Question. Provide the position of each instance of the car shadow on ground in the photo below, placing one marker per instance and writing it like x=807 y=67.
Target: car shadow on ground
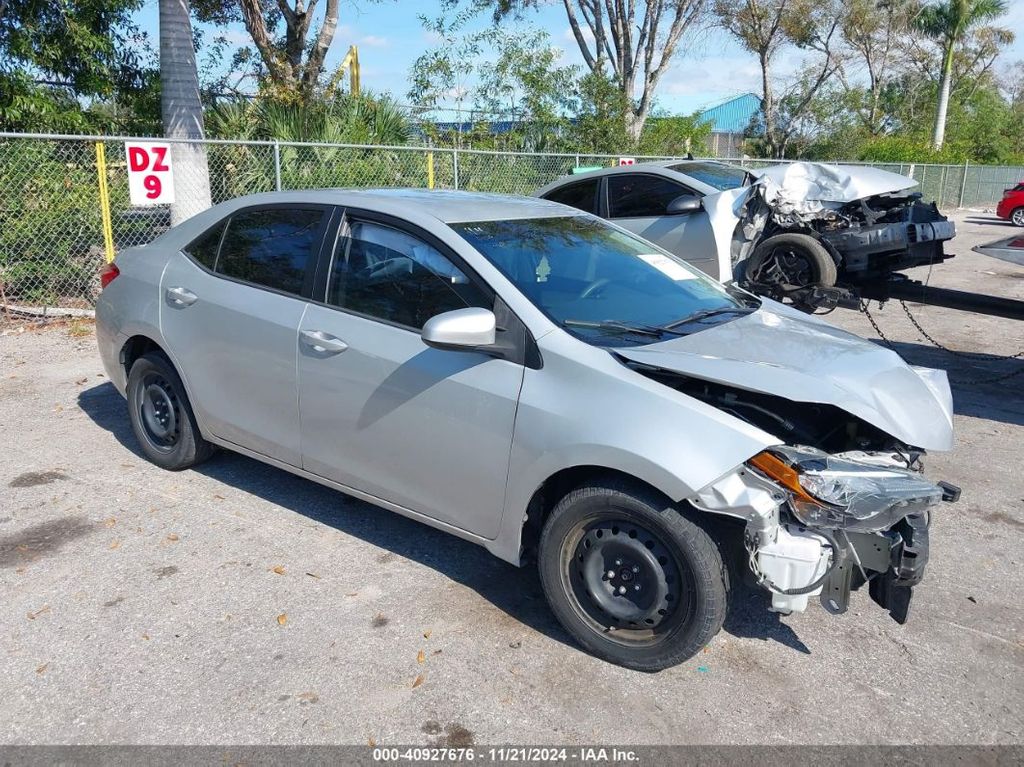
x=516 y=591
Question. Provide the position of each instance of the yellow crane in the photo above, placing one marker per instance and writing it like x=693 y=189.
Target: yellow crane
x=351 y=63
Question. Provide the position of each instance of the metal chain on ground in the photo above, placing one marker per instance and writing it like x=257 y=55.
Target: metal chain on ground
x=967 y=355
x=954 y=352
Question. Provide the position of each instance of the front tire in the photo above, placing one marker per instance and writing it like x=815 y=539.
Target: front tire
x=791 y=260
x=630 y=578
x=161 y=415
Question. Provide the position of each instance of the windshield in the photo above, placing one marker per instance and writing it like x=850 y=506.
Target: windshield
x=715 y=174
x=600 y=283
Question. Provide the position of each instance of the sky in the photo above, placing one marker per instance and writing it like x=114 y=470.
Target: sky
x=711 y=68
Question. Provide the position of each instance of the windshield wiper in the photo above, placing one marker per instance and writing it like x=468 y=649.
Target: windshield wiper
x=614 y=326
x=704 y=314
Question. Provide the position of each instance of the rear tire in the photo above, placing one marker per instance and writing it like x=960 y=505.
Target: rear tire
x=161 y=415
x=630 y=578
x=791 y=260
x=1017 y=217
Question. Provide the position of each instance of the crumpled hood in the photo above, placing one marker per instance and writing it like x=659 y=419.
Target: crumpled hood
x=821 y=182
x=779 y=351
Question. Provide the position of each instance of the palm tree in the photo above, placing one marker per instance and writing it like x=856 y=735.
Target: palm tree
x=182 y=110
x=947 y=22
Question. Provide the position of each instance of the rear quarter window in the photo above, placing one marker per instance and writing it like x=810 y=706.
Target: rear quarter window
x=204 y=248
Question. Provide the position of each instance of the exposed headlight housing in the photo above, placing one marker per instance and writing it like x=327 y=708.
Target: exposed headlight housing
x=831 y=492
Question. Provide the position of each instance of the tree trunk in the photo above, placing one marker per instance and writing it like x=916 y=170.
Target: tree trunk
x=634 y=124
x=182 y=110
x=940 y=113
x=768 y=106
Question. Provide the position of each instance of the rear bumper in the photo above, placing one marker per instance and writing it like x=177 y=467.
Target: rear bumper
x=1004 y=208
x=110 y=344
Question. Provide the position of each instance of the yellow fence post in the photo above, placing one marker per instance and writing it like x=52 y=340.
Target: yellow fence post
x=108 y=229
x=430 y=170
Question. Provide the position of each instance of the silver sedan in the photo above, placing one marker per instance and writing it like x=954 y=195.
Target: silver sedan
x=545 y=384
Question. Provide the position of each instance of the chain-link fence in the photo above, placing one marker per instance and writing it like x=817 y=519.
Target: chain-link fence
x=51 y=223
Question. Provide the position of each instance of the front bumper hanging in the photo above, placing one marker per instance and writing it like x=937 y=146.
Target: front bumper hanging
x=892 y=563
x=893 y=589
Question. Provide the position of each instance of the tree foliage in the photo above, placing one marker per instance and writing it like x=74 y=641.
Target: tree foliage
x=767 y=28
x=346 y=119
x=636 y=41
x=947 y=23
x=290 y=52
x=494 y=74
x=52 y=54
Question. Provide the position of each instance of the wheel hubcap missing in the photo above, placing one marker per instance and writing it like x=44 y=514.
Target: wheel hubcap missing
x=623 y=577
x=159 y=411
x=785 y=267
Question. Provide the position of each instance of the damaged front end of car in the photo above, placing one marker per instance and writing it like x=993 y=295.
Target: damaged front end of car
x=841 y=227
x=840 y=503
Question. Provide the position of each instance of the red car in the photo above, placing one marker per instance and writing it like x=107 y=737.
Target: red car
x=1012 y=205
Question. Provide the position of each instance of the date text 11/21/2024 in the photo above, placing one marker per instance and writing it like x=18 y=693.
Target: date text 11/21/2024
x=501 y=754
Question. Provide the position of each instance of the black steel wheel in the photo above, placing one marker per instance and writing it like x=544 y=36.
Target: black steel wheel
x=624 y=580
x=787 y=262
x=630 y=576
x=161 y=415
x=159 y=411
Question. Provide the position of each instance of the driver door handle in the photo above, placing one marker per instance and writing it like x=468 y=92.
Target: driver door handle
x=322 y=342
x=181 y=296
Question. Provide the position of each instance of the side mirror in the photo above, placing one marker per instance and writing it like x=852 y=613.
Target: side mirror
x=684 y=203
x=460 y=329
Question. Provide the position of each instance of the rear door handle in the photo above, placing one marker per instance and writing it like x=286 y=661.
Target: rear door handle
x=321 y=342
x=181 y=296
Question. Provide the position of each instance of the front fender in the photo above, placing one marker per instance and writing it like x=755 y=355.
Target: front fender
x=585 y=408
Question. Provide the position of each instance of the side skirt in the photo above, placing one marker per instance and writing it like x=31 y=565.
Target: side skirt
x=489 y=544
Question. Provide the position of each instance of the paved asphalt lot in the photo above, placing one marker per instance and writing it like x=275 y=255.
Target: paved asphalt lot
x=239 y=604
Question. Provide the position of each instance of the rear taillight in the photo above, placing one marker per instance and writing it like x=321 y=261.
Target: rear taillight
x=108 y=273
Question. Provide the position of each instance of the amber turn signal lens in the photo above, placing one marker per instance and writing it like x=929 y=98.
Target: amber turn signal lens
x=782 y=473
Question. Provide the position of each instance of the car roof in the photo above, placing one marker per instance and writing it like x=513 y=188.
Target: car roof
x=445 y=205
x=659 y=167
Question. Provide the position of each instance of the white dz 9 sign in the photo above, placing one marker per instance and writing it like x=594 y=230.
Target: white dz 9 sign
x=150 y=175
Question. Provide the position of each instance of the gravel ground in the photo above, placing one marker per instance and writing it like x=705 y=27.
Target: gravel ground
x=239 y=604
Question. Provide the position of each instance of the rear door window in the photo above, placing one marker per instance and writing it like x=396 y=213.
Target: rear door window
x=581 y=195
x=635 y=195
x=272 y=247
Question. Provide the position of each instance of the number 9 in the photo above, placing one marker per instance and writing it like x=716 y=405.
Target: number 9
x=153 y=187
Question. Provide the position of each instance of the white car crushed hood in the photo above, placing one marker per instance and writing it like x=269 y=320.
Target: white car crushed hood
x=799 y=189
x=808 y=187
x=781 y=352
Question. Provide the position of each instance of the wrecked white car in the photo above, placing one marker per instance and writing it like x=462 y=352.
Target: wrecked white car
x=799 y=232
